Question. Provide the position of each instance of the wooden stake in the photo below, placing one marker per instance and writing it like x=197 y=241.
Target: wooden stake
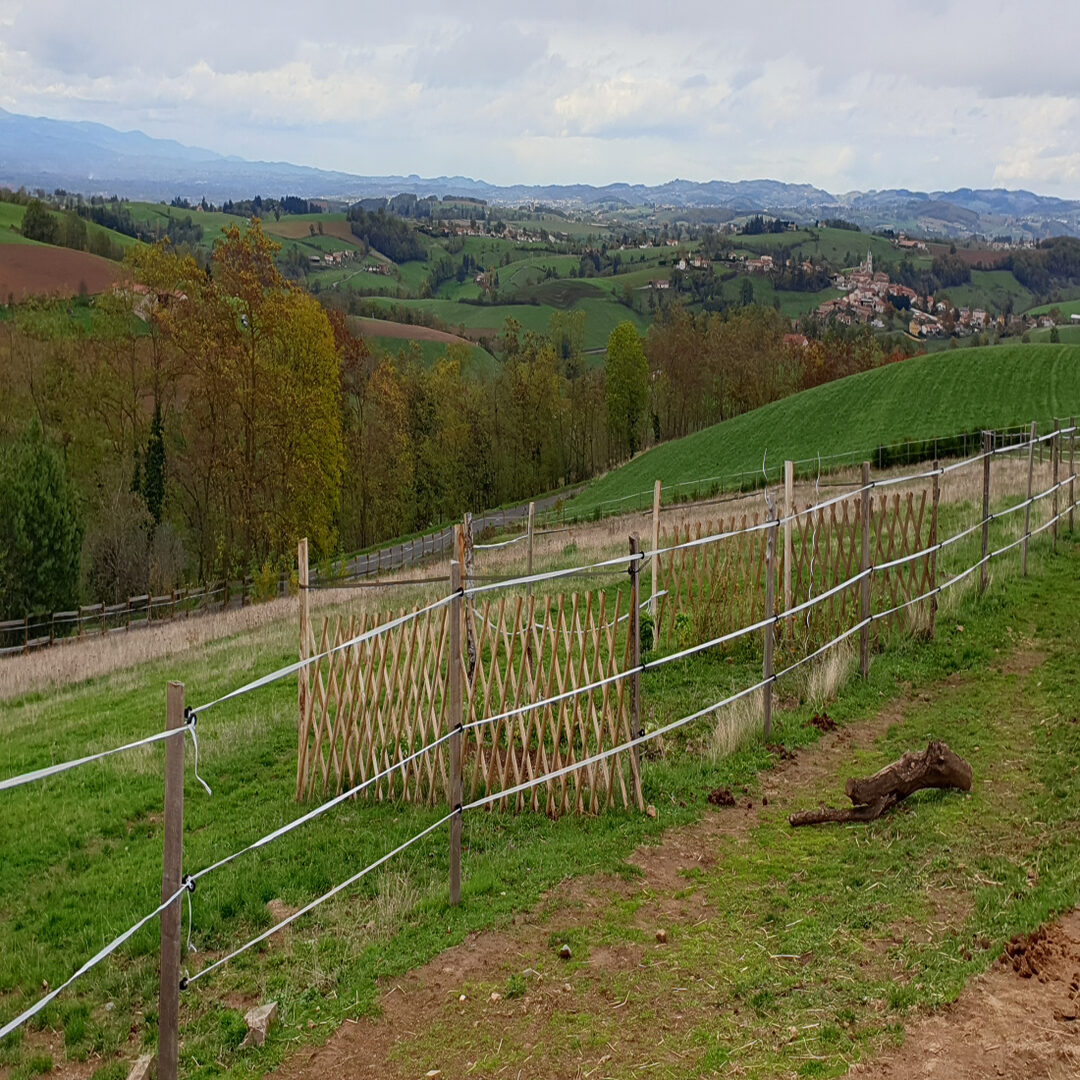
x=770 y=610
x=789 y=510
x=864 y=604
x=171 y=869
x=1027 y=509
x=634 y=630
x=303 y=580
x=465 y=555
x=655 y=569
x=1072 y=470
x=1055 y=456
x=454 y=722
x=933 y=544
x=988 y=442
x=529 y=567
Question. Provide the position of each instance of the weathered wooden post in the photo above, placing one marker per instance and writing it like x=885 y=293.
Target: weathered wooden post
x=634 y=630
x=864 y=593
x=655 y=561
x=454 y=719
x=465 y=557
x=1027 y=509
x=770 y=611
x=303 y=580
x=988 y=442
x=933 y=547
x=171 y=869
x=1072 y=470
x=1055 y=457
x=789 y=522
x=529 y=564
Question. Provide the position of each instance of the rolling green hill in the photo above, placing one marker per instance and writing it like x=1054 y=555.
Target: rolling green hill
x=919 y=398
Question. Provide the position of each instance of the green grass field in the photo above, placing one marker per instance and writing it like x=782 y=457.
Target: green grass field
x=602 y=315
x=792 y=304
x=1066 y=307
x=82 y=859
x=924 y=397
x=992 y=290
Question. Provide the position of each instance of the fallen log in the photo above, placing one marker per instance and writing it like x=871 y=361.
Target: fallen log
x=935 y=767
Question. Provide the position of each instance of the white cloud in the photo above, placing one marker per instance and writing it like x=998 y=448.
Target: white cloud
x=932 y=95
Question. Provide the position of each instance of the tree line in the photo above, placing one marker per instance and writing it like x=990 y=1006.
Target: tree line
x=194 y=424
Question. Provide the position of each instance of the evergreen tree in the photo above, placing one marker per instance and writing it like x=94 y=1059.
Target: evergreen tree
x=154 y=471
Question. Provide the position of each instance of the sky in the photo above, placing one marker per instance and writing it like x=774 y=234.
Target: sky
x=924 y=95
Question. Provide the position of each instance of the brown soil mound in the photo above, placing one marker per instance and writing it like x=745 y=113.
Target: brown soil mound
x=32 y=270
x=1019 y=1020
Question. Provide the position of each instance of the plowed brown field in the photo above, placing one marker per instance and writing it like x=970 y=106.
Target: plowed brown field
x=32 y=270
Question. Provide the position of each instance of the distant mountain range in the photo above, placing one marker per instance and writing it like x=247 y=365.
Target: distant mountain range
x=95 y=159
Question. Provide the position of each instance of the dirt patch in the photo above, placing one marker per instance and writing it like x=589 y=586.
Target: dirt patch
x=607 y=983
x=301 y=230
x=1018 y=1020
x=30 y=270
x=404 y=331
x=823 y=722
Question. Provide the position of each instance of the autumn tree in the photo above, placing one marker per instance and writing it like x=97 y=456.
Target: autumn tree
x=626 y=387
x=262 y=453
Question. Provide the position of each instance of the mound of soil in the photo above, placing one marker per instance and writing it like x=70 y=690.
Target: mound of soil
x=721 y=796
x=823 y=722
x=1018 y=1020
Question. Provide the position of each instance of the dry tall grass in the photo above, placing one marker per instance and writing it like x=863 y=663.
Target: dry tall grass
x=275 y=623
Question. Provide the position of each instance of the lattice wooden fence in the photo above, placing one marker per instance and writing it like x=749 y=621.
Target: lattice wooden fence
x=720 y=587
x=372 y=704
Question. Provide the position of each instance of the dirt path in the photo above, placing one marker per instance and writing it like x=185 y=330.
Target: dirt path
x=467 y=985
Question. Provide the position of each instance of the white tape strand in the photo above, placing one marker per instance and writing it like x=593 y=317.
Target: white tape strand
x=92 y=962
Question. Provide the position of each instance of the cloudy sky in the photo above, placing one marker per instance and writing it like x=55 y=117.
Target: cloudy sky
x=843 y=95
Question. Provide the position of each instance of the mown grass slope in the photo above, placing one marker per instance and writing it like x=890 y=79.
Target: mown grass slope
x=920 y=398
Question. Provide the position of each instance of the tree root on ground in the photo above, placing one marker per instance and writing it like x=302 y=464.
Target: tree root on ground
x=935 y=767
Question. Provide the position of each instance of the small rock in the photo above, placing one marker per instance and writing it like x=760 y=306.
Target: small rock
x=650 y=811
x=564 y=952
x=1066 y=1012
x=433 y=1074
x=495 y=997
x=310 y=1027
x=144 y=1068
x=661 y=937
x=567 y=988
x=462 y=997
x=259 y=1022
x=109 y=1006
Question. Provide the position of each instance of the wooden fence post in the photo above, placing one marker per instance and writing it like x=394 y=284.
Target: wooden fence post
x=465 y=557
x=655 y=561
x=634 y=630
x=1027 y=509
x=454 y=719
x=102 y=618
x=171 y=869
x=303 y=580
x=933 y=546
x=789 y=511
x=770 y=611
x=1054 y=458
x=864 y=602
x=529 y=566
x=1072 y=470
x=988 y=442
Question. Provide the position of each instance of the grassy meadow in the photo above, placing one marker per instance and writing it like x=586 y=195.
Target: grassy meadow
x=920 y=398
x=81 y=851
